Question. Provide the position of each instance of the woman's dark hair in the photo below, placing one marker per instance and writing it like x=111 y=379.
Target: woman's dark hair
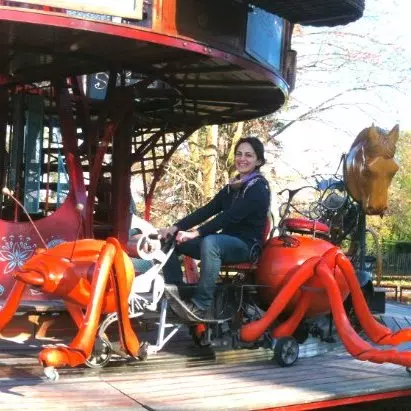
x=257 y=146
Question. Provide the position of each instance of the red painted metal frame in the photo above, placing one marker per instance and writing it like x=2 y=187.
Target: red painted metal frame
x=342 y=401
x=68 y=129
x=110 y=129
x=42 y=18
x=121 y=174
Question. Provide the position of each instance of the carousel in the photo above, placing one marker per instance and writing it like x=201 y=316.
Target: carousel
x=89 y=92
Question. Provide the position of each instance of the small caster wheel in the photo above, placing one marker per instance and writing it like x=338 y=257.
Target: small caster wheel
x=51 y=374
x=408 y=369
x=101 y=355
x=286 y=351
x=143 y=351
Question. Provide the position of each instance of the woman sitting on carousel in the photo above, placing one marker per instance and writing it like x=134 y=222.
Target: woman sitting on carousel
x=234 y=234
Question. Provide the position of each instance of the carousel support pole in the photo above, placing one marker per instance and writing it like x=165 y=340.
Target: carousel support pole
x=4 y=160
x=33 y=140
x=362 y=239
x=121 y=176
x=379 y=255
x=50 y=139
x=16 y=148
x=107 y=129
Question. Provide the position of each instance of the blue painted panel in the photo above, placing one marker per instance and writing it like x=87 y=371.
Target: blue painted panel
x=264 y=37
x=97 y=85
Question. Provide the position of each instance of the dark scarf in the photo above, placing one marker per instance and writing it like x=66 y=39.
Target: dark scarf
x=240 y=184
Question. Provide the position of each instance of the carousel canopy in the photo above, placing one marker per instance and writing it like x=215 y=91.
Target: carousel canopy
x=314 y=12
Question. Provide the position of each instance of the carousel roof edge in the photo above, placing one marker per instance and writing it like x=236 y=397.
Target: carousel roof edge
x=314 y=12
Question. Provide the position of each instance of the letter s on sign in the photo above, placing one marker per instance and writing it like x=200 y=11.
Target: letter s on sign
x=101 y=80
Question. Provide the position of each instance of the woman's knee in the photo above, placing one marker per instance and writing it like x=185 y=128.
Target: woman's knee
x=210 y=244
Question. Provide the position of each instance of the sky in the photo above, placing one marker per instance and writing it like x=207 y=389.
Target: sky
x=372 y=55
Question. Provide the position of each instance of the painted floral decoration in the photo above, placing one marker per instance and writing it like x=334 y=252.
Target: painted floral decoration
x=15 y=250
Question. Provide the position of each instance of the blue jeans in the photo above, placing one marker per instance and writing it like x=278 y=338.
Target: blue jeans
x=213 y=250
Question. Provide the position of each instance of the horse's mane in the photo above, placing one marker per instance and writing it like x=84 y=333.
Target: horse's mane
x=375 y=142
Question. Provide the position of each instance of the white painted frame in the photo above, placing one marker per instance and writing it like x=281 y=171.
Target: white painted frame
x=131 y=9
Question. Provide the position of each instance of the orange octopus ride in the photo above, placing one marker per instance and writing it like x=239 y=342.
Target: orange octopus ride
x=305 y=276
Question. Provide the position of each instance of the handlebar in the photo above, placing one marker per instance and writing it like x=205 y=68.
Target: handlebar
x=150 y=235
x=326 y=185
x=156 y=245
x=291 y=195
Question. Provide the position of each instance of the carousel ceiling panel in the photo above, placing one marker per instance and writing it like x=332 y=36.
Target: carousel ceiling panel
x=315 y=12
x=200 y=88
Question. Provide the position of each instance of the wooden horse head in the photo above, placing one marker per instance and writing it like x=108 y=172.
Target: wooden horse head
x=369 y=168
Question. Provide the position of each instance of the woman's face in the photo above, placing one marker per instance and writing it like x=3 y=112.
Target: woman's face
x=246 y=159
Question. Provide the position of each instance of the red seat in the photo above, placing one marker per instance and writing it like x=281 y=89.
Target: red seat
x=239 y=267
x=306 y=226
x=246 y=267
x=192 y=274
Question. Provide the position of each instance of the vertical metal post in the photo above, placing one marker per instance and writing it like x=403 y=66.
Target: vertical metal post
x=33 y=153
x=4 y=156
x=17 y=147
x=361 y=239
x=121 y=176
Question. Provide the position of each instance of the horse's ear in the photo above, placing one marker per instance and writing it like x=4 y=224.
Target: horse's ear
x=373 y=135
x=393 y=135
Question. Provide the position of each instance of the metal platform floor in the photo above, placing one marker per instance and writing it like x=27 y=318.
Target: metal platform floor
x=185 y=377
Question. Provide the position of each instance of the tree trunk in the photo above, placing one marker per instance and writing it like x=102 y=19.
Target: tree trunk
x=210 y=161
x=194 y=145
x=237 y=135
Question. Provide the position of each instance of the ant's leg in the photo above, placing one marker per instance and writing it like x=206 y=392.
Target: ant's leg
x=80 y=348
x=354 y=344
x=76 y=313
x=288 y=327
x=120 y=282
x=374 y=330
x=254 y=330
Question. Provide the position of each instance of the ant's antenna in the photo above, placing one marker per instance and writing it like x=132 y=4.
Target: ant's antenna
x=9 y=193
x=79 y=208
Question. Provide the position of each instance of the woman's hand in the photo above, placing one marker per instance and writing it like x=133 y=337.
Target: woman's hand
x=184 y=236
x=167 y=232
